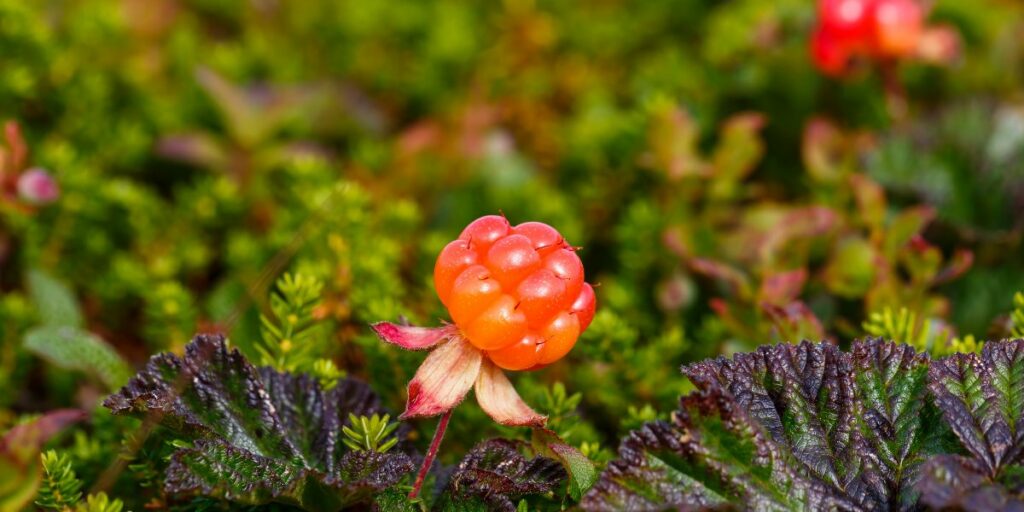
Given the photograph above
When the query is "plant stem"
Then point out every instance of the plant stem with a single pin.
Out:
(895, 94)
(431, 453)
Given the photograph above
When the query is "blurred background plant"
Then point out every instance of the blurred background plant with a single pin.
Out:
(167, 161)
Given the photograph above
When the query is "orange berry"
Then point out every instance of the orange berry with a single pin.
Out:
(545, 238)
(567, 266)
(559, 337)
(541, 296)
(511, 259)
(498, 326)
(584, 305)
(521, 355)
(454, 258)
(473, 292)
(483, 232)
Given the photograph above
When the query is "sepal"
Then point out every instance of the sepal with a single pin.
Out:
(411, 337)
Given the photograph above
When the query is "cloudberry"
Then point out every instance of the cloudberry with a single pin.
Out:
(515, 292)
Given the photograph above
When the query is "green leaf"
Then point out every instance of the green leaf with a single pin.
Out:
(739, 150)
(582, 473)
(71, 348)
(903, 228)
(1017, 316)
(55, 303)
(260, 435)
(100, 503)
(395, 500)
(851, 268)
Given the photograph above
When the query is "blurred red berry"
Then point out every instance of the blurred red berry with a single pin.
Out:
(517, 293)
(830, 57)
(898, 26)
(848, 23)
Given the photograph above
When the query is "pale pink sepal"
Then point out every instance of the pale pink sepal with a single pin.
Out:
(411, 337)
(498, 398)
(443, 379)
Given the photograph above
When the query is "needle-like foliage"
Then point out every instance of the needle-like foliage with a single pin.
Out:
(292, 337)
(61, 489)
(370, 433)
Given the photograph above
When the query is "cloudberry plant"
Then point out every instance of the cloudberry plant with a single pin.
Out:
(515, 292)
(518, 301)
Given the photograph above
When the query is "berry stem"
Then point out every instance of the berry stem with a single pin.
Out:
(431, 453)
(895, 94)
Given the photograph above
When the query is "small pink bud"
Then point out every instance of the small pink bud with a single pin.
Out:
(36, 186)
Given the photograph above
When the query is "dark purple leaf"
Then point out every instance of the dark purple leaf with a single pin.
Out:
(982, 400)
(951, 482)
(494, 474)
(258, 435)
(787, 427)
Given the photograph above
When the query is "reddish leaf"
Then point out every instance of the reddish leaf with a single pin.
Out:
(957, 266)
(823, 150)
(795, 321)
(734, 279)
(20, 469)
(783, 287)
(28, 438)
(870, 197)
(194, 148)
(902, 229)
(800, 223)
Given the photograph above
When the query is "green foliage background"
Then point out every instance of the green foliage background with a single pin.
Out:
(724, 194)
